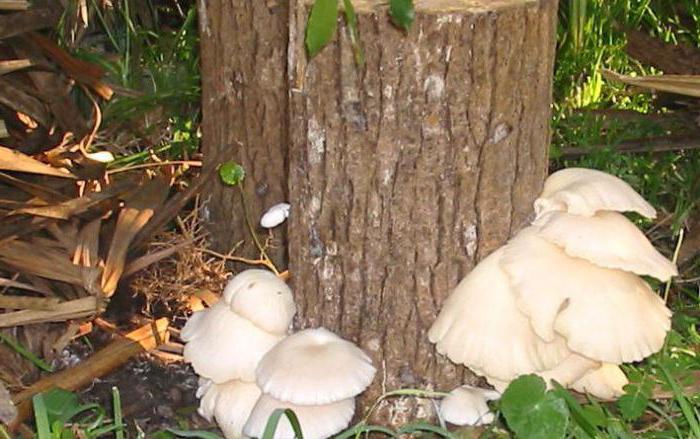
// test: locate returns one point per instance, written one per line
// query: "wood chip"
(12, 65)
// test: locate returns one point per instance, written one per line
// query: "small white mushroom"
(275, 215)
(230, 404)
(466, 405)
(101, 156)
(316, 421)
(314, 367)
(607, 239)
(263, 298)
(223, 346)
(481, 327)
(607, 315)
(605, 382)
(586, 191)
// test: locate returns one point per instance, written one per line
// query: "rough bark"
(244, 109)
(405, 172)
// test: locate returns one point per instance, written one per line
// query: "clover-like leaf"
(231, 173)
(636, 398)
(322, 24)
(532, 412)
(402, 13)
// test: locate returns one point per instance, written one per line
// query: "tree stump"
(244, 109)
(406, 171)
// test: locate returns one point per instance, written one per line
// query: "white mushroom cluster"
(563, 299)
(249, 366)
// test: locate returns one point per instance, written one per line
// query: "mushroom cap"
(231, 404)
(275, 215)
(313, 367)
(481, 327)
(223, 346)
(606, 315)
(569, 371)
(263, 298)
(607, 239)
(316, 421)
(207, 402)
(605, 382)
(466, 405)
(583, 191)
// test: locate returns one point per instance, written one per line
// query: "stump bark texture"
(405, 172)
(402, 173)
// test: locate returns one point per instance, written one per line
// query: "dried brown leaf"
(24, 302)
(687, 85)
(76, 206)
(43, 193)
(12, 65)
(14, 5)
(151, 258)
(22, 286)
(74, 309)
(11, 160)
(46, 262)
(137, 211)
(87, 250)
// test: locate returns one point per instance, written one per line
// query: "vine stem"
(263, 253)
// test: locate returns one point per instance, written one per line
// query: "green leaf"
(354, 33)
(231, 173)
(533, 413)
(322, 25)
(402, 13)
(192, 433)
(636, 398)
(274, 419)
(41, 417)
(578, 414)
(60, 404)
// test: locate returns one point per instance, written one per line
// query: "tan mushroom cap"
(316, 421)
(607, 239)
(569, 371)
(466, 405)
(263, 298)
(313, 367)
(481, 327)
(583, 191)
(223, 346)
(605, 382)
(607, 315)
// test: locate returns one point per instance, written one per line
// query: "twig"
(195, 163)
(247, 261)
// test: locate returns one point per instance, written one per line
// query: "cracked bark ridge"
(405, 172)
(244, 114)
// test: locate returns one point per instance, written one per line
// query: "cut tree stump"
(402, 173)
(405, 172)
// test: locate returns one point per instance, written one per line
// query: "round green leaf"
(231, 173)
(533, 413)
(402, 13)
(321, 26)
